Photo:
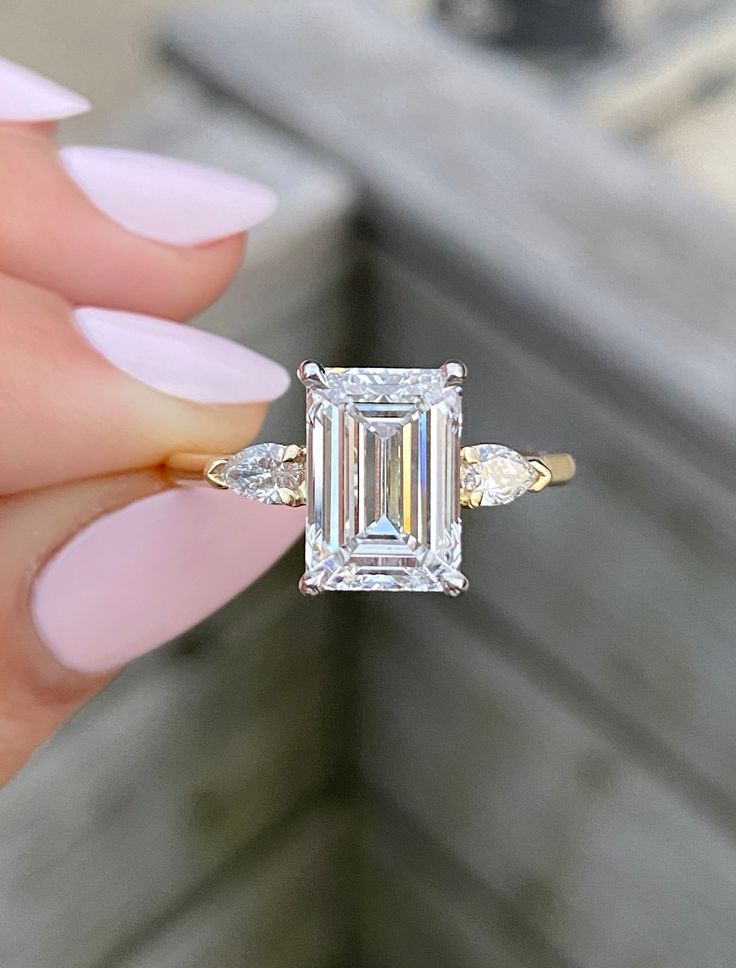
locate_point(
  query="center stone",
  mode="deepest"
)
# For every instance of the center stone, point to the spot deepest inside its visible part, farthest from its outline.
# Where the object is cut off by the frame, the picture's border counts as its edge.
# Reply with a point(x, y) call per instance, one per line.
point(383, 489)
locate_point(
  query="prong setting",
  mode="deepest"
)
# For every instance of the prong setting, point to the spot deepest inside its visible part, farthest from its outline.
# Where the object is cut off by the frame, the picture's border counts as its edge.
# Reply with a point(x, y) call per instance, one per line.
point(454, 584)
point(553, 470)
point(213, 473)
point(295, 454)
point(289, 497)
point(454, 372)
point(269, 473)
point(309, 586)
point(491, 474)
point(544, 475)
point(470, 455)
point(384, 469)
point(370, 472)
point(471, 499)
point(312, 375)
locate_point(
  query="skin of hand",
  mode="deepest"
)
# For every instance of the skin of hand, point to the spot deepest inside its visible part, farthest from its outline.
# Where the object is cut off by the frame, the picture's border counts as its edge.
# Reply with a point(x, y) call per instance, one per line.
point(103, 254)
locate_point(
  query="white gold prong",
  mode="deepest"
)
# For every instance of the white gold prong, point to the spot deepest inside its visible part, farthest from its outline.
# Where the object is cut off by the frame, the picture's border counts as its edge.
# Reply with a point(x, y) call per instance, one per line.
point(454, 372)
point(312, 374)
point(378, 517)
point(453, 584)
point(308, 586)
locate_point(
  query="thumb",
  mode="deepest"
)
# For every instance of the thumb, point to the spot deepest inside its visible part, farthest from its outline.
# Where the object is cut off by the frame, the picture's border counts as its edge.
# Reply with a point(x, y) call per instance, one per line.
point(96, 573)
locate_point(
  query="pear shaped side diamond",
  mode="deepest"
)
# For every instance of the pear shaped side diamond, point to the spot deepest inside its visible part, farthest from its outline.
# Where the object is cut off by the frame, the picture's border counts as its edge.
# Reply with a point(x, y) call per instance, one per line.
point(260, 473)
point(499, 475)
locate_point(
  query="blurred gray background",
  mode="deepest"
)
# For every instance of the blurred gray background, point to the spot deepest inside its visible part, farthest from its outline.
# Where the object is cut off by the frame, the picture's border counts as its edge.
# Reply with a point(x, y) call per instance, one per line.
point(109, 51)
point(542, 773)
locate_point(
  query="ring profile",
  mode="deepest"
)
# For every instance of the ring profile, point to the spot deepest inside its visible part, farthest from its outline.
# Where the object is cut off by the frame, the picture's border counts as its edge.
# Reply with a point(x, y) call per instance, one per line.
point(492, 467)
point(383, 475)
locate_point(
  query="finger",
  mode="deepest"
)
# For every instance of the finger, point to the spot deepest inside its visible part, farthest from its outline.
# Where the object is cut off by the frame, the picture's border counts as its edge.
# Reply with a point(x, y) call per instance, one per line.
point(122, 229)
point(113, 228)
point(96, 573)
point(92, 391)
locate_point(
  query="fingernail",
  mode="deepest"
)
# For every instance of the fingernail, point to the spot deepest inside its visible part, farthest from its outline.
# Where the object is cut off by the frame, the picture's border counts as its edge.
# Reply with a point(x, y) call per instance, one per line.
point(28, 96)
point(166, 199)
point(138, 577)
point(180, 360)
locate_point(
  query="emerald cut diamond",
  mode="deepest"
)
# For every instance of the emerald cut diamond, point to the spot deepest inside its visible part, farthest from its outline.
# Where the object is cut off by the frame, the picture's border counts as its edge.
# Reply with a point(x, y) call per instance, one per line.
point(383, 479)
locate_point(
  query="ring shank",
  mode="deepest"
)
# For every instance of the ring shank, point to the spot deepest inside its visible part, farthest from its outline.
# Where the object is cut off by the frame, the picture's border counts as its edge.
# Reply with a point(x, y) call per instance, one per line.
point(192, 470)
point(560, 466)
point(200, 470)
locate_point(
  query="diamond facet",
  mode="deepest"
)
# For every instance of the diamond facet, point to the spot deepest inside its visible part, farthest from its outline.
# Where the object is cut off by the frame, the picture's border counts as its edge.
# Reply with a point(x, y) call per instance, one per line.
point(383, 494)
point(262, 474)
point(496, 474)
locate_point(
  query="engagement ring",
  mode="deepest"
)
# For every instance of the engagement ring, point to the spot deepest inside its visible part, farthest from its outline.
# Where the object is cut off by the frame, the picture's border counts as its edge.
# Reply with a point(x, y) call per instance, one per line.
point(383, 476)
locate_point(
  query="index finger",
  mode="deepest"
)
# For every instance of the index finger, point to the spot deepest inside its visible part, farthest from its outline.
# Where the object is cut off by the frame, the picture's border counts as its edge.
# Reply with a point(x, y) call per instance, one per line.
point(109, 227)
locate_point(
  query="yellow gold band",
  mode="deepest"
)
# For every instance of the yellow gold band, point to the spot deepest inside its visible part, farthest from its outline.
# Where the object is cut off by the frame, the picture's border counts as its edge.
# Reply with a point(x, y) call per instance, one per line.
point(195, 470)
point(204, 470)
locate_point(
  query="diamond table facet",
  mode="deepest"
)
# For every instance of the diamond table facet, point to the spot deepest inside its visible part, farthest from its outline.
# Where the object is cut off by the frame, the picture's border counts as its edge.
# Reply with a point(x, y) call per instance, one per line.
point(383, 487)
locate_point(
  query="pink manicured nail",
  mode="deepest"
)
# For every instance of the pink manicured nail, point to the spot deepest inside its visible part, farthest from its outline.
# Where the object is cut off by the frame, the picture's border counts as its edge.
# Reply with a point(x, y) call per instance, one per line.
point(28, 96)
point(166, 199)
point(180, 360)
point(136, 578)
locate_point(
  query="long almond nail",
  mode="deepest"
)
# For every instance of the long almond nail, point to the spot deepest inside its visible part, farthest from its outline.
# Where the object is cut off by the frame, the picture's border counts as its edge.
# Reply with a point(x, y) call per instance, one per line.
point(180, 360)
point(138, 577)
point(28, 96)
point(166, 199)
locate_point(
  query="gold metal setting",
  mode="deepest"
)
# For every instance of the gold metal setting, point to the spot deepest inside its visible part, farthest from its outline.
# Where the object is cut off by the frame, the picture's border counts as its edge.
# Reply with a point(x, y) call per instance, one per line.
point(196, 470)
point(213, 473)
point(387, 476)
point(553, 470)
point(295, 454)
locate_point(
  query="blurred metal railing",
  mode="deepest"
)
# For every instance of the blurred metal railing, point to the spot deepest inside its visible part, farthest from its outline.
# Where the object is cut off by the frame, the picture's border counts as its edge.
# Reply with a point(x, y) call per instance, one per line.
point(568, 720)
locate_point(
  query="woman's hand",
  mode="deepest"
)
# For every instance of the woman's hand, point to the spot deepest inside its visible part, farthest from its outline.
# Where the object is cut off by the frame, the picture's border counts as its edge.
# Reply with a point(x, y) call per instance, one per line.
point(99, 560)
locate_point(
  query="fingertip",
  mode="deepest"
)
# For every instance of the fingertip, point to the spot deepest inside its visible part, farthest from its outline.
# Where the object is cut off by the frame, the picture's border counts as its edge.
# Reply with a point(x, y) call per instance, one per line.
point(182, 361)
point(167, 199)
point(54, 236)
point(138, 577)
point(202, 272)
